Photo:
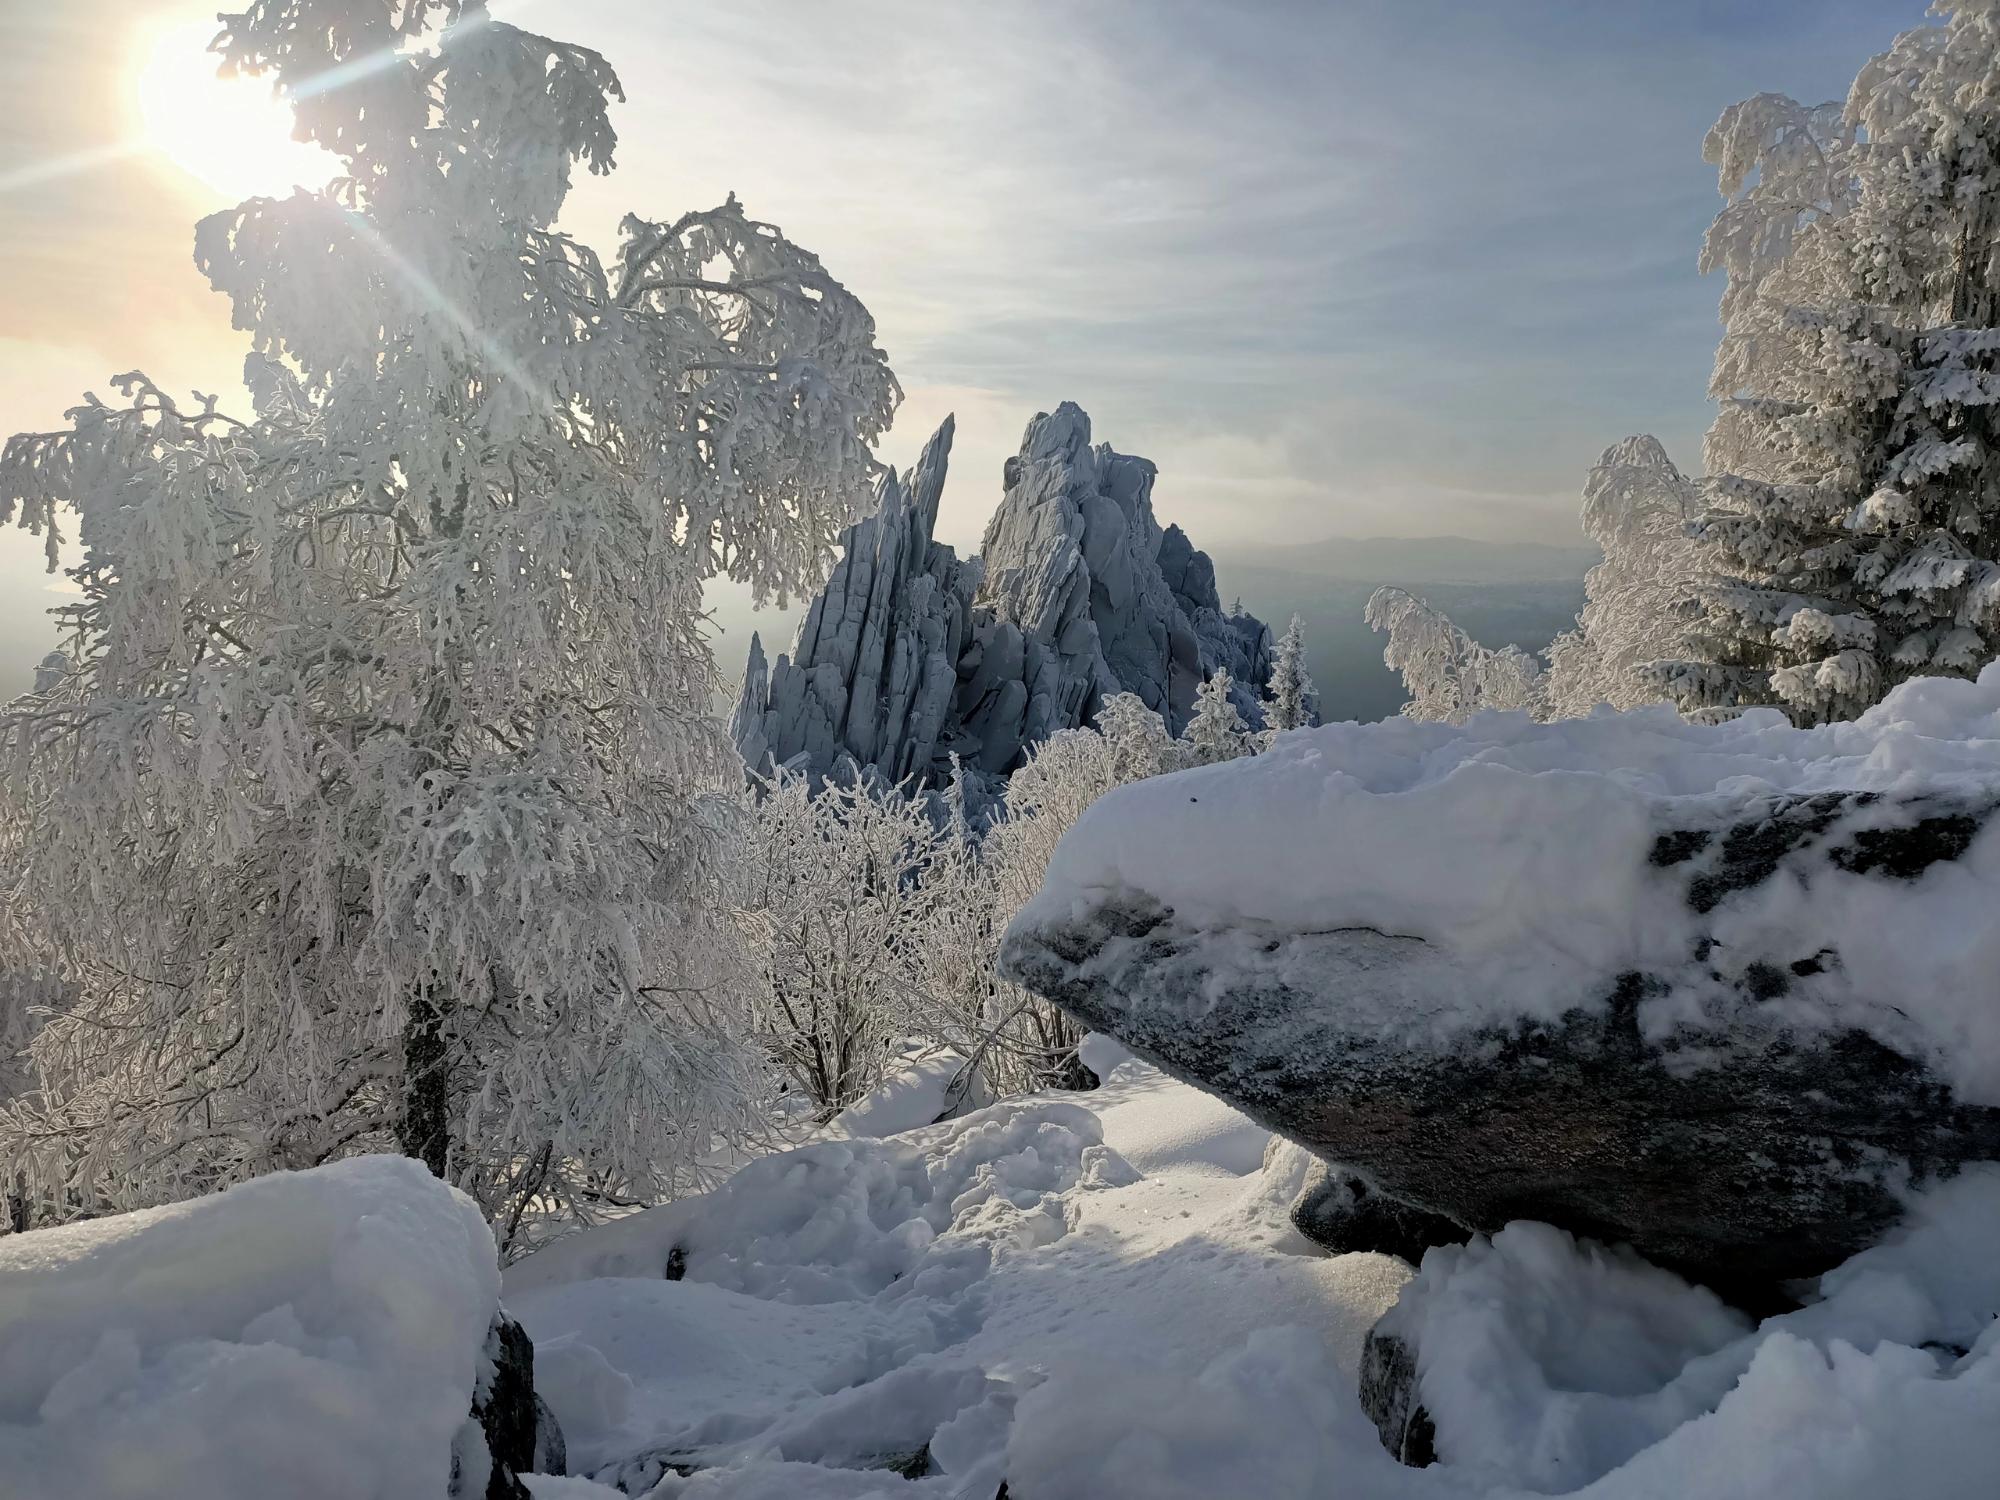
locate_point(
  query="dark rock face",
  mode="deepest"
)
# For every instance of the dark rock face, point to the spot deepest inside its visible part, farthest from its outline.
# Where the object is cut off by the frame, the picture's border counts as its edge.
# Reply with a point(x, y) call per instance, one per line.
point(522, 1436)
point(1339, 1212)
point(1389, 1396)
point(910, 656)
point(1743, 1152)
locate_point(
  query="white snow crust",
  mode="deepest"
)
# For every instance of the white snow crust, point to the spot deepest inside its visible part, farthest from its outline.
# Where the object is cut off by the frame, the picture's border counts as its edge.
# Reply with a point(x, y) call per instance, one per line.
point(306, 1334)
point(1518, 852)
point(1106, 1336)
point(1005, 1295)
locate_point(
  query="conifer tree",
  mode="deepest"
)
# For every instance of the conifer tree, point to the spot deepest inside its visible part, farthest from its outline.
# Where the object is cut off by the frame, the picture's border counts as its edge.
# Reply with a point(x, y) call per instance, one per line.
point(1289, 701)
point(1855, 510)
point(1216, 731)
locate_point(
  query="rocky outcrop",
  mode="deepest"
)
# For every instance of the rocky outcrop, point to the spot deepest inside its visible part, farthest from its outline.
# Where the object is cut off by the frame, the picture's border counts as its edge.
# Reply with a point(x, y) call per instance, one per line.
point(1388, 1390)
point(1726, 1113)
point(521, 1433)
point(910, 657)
point(873, 675)
point(1338, 1211)
point(1230, 640)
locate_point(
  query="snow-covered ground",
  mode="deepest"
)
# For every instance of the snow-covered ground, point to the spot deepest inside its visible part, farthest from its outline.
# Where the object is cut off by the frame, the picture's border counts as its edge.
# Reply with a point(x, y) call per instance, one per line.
point(1107, 1301)
point(1008, 1289)
point(1088, 1297)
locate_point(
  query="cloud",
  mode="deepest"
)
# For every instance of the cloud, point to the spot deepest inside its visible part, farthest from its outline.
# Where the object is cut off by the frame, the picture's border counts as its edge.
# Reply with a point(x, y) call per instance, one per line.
point(1390, 256)
point(1374, 267)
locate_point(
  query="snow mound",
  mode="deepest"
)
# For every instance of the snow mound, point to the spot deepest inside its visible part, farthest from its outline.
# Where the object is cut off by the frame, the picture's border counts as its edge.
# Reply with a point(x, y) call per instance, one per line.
point(1523, 856)
point(754, 1372)
point(305, 1334)
point(1549, 1363)
point(839, 1220)
point(915, 1094)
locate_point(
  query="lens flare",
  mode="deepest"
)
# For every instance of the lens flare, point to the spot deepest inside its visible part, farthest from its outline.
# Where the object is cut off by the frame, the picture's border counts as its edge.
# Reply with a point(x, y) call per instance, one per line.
point(230, 135)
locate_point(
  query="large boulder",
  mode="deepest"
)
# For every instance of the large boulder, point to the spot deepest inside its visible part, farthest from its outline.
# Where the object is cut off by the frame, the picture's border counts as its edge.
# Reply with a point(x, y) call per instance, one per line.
point(1339, 1212)
point(1724, 993)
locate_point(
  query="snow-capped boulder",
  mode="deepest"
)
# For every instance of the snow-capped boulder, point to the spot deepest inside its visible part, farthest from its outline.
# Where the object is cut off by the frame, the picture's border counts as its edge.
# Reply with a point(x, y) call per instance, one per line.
point(909, 656)
point(1724, 993)
point(326, 1333)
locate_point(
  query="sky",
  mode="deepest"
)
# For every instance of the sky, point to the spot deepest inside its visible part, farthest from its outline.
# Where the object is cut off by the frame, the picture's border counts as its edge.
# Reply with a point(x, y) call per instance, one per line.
point(1349, 268)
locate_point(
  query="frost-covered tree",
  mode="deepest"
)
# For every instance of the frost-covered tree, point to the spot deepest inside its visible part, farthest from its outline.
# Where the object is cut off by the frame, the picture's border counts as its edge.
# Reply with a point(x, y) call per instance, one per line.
point(839, 888)
point(1289, 701)
point(1449, 675)
point(1215, 730)
point(1854, 500)
point(1637, 507)
point(379, 808)
point(1013, 1040)
point(1781, 166)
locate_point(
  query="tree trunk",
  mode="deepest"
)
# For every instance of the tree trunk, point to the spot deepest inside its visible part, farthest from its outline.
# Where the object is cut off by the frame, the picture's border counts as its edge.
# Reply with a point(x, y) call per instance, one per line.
point(425, 1132)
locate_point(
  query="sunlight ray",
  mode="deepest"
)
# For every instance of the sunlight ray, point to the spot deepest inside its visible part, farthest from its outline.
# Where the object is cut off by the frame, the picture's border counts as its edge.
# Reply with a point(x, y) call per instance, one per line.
point(55, 168)
point(427, 288)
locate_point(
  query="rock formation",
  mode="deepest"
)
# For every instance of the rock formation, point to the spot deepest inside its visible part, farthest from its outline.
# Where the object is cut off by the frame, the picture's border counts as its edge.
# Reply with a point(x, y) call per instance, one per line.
point(521, 1433)
point(1716, 1113)
point(910, 656)
point(874, 672)
point(1338, 1211)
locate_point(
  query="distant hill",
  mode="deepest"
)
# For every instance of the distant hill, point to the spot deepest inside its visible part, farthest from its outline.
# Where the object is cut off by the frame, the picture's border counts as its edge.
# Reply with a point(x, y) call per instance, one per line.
point(1504, 593)
point(1406, 560)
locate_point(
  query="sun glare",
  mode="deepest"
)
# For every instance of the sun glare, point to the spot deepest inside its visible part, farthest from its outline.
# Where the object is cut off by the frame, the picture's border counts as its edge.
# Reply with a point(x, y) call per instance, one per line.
point(229, 134)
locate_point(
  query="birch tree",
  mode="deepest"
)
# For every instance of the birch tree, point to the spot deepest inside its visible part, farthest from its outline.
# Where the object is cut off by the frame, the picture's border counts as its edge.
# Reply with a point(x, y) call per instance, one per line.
point(379, 807)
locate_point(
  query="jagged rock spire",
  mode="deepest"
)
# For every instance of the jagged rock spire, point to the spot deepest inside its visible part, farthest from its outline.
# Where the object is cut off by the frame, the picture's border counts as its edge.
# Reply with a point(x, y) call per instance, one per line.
point(910, 656)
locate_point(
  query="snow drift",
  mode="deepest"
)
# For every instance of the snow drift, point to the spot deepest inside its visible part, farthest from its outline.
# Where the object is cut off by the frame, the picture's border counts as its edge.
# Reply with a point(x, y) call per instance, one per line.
point(305, 1334)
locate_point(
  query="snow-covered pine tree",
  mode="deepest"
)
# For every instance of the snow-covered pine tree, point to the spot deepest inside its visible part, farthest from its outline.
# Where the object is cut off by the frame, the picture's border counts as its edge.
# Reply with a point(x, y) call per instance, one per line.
point(1636, 506)
point(1215, 731)
point(1289, 701)
point(1449, 675)
point(1858, 516)
point(379, 806)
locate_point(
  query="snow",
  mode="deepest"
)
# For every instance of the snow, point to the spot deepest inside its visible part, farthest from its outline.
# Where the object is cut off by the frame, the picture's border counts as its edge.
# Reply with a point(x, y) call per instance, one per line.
point(1000, 1297)
point(1519, 852)
point(305, 1334)
point(1169, 1336)
point(853, 1301)
point(1549, 1363)
point(915, 1095)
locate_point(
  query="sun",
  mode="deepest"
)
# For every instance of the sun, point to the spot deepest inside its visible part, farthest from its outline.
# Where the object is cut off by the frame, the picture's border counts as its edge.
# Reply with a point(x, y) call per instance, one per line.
point(229, 134)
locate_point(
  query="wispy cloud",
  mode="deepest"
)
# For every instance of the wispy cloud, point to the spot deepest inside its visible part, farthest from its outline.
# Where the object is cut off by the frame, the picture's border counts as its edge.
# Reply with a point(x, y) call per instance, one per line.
point(1388, 256)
